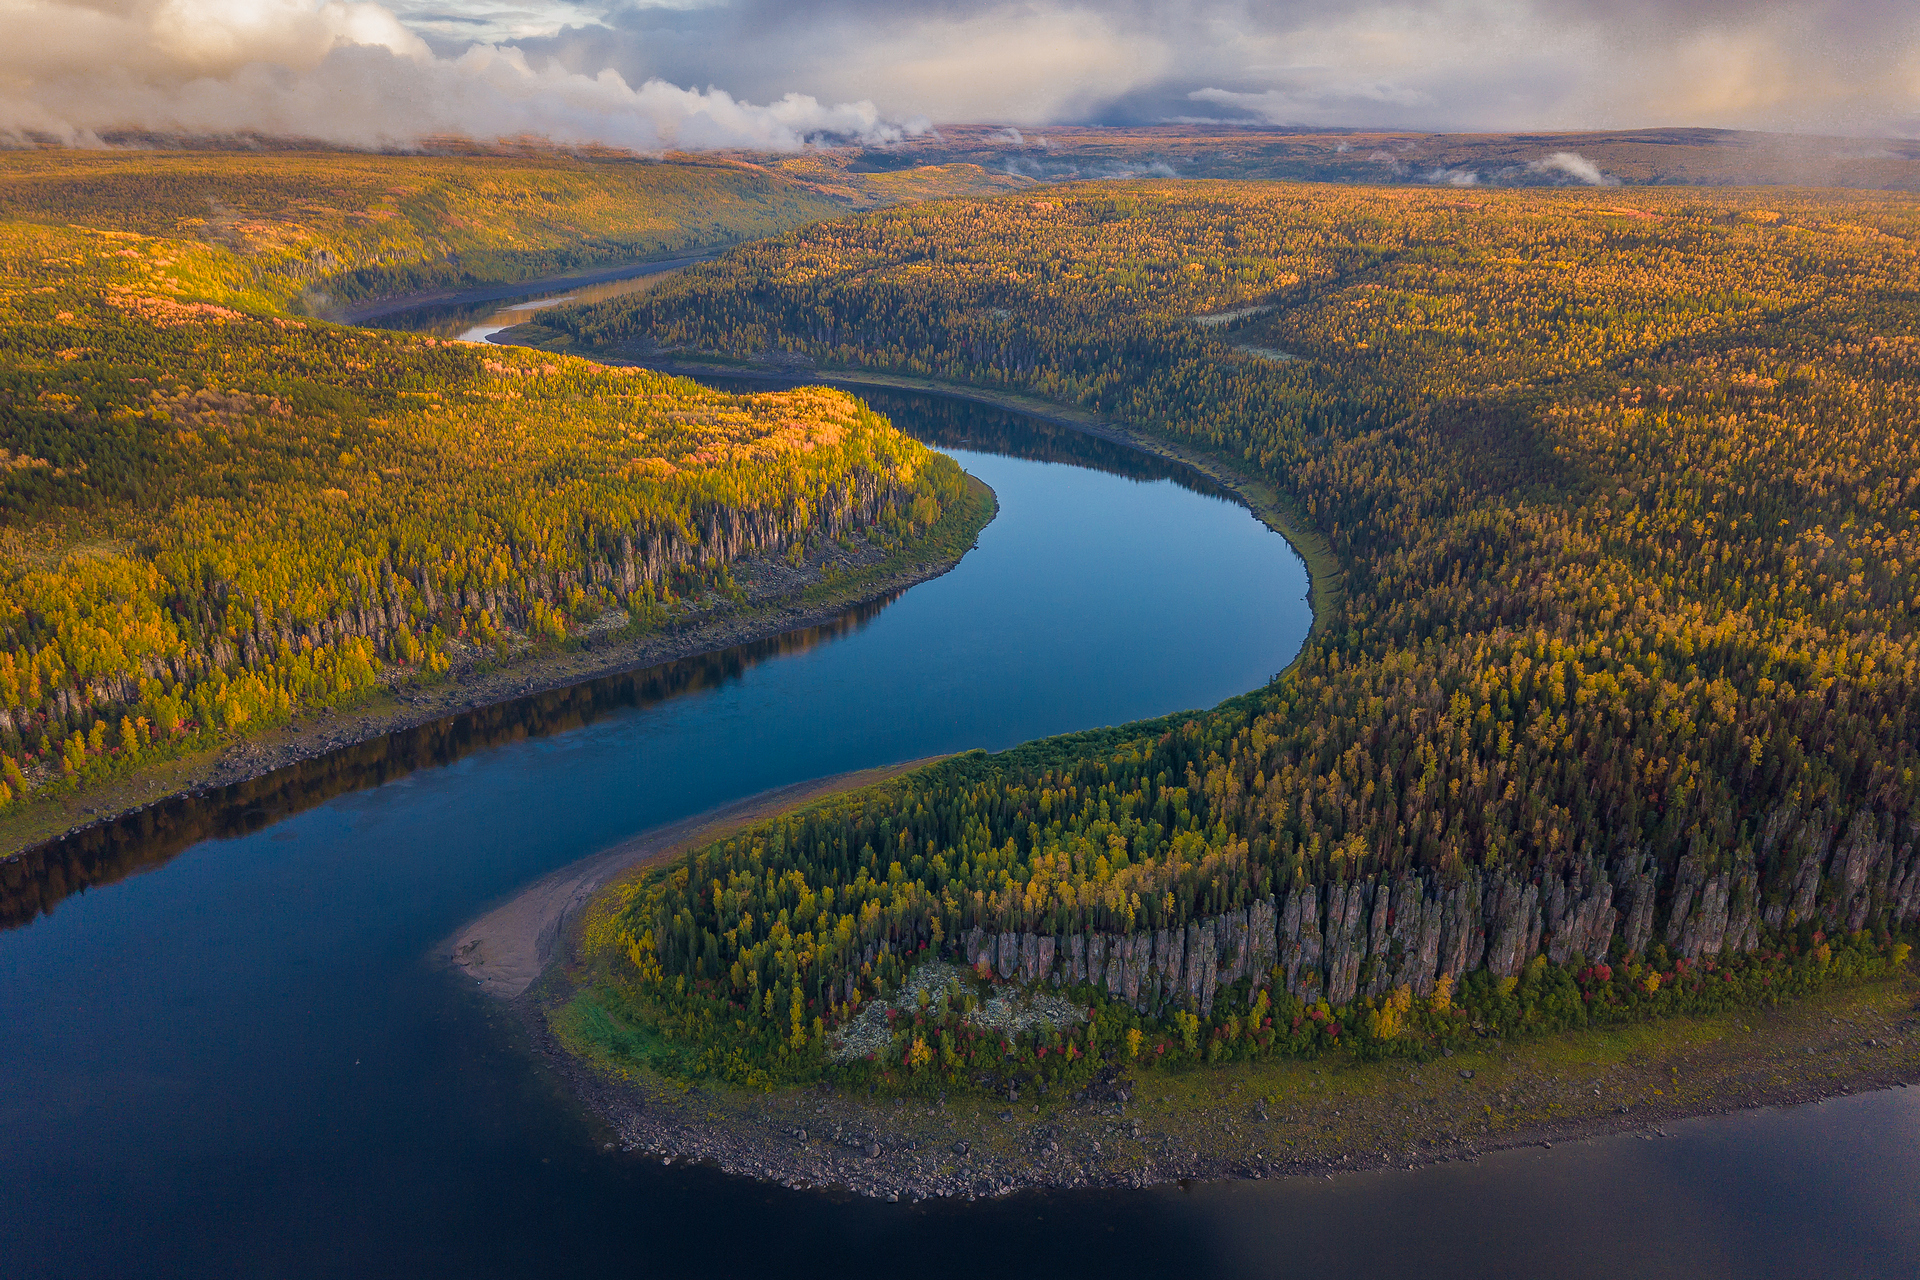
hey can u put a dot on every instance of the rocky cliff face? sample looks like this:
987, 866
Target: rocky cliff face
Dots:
1366, 937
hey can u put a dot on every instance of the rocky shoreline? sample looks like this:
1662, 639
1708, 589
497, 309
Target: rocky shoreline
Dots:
1276, 1119
780, 598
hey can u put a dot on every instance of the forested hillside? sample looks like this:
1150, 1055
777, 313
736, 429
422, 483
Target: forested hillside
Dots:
322, 229
1619, 713
213, 513
1666, 156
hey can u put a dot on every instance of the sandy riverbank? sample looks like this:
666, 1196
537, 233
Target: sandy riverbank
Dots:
505, 950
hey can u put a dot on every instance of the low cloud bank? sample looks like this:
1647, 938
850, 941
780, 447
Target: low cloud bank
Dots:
353, 75
1562, 168
1576, 167
770, 73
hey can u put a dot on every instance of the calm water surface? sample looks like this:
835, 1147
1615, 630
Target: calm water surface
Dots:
242, 1061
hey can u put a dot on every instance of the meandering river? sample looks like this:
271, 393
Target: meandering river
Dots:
236, 1055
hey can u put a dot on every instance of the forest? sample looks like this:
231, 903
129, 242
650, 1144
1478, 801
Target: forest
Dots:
1665, 156
1617, 714
312, 231
319, 231
216, 513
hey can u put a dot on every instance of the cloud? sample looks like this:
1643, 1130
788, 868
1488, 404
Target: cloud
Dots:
1020, 62
1837, 66
353, 74
772, 73
1577, 167
1050, 170
457, 23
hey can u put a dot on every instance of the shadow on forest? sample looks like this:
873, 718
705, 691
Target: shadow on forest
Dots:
950, 422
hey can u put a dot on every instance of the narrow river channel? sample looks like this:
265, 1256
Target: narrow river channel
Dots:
238, 1056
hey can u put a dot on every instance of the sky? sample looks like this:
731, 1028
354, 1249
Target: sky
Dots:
775, 73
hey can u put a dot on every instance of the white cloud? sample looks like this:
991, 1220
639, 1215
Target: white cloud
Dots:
352, 74
1839, 66
463, 22
386, 73
1574, 166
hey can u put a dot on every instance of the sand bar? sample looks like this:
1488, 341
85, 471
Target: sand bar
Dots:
506, 949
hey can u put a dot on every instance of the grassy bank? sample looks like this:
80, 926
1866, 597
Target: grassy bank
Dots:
1336, 1112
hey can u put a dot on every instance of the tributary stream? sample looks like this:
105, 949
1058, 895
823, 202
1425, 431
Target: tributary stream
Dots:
238, 1055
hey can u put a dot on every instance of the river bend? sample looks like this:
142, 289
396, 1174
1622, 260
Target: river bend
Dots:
235, 1054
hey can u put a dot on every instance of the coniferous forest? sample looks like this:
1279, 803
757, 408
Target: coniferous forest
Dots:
217, 512
1616, 714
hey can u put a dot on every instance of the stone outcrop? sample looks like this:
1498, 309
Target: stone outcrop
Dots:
1369, 936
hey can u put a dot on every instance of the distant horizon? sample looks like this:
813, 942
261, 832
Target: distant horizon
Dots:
1351, 155
753, 74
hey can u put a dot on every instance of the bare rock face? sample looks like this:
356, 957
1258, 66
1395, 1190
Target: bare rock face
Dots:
1234, 947
1119, 961
1775, 830
1903, 888
1346, 946
1809, 851
1513, 925
1300, 942
1370, 936
1580, 918
1463, 940
1200, 965
1262, 940
1374, 969
1026, 967
1706, 931
1169, 963
1859, 861
1140, 977
1692, 900
1743, 915
980, 948
1639, 887
1130, 955
1398, 950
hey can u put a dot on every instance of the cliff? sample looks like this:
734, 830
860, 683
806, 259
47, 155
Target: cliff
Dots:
1365, 937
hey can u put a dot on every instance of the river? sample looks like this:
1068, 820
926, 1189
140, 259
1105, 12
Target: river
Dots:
238, 1055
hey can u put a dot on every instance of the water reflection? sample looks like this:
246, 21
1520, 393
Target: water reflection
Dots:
105, 852
950, 422
946, 422
471, 316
